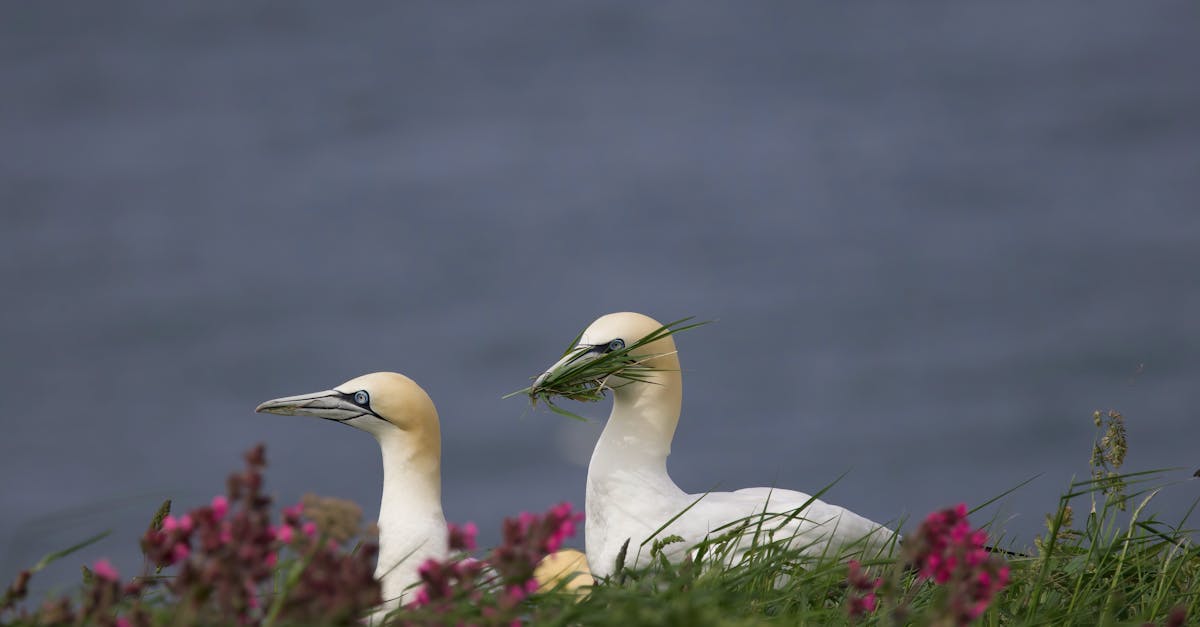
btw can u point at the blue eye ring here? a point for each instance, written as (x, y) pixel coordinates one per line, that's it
(362, 398)
(616, 345)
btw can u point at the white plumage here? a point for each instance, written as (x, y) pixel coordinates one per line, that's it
(404, 421)
(630, 495)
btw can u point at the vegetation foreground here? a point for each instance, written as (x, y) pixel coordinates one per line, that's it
(233, 562)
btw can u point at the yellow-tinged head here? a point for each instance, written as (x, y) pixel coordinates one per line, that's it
(614, 332)
(568, 568)
(379, 403)
(628, 327)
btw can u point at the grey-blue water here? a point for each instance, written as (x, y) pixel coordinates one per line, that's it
(935, 236)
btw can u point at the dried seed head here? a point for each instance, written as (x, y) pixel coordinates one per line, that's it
(338, 519)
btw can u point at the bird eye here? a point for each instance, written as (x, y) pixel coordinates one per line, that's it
(362, 398)
(616, 345)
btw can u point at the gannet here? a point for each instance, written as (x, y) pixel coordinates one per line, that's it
(630, 495)
(402, 418)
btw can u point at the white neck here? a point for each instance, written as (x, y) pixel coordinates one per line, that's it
(628, 488)
(641, 426)
(412, 527)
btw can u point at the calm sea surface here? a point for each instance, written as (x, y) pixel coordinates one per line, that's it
(936, 237)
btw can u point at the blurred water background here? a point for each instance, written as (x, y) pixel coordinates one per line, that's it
(936, 236)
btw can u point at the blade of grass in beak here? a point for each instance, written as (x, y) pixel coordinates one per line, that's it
(573, 344)
(525, 390)
(562, 412)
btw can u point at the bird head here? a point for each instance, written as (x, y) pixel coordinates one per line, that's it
(381, 403)
(614, 333)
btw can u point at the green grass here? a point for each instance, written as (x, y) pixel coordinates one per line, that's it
(1114, 569)
(1104, 559)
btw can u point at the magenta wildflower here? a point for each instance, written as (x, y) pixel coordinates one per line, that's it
(226, 554)
(516, 593)
(526, 540)
(946, 550)
(463, 538)
(861, 594)
(223, 557)
(180, 552)
(294, 511)
(104, 570)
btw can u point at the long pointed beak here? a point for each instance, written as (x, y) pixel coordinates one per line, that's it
(576, 357)
(328, 404)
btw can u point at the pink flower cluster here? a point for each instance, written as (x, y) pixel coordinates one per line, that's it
(463, 538)
(527, 539)
(946, 550)
(224, 564)
(442, 580)
(104, 570)
(860, 598)
(229, 554)
(496, 593)
(224, 555)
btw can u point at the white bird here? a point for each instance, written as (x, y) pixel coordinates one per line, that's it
(402, 418)
(630, 495)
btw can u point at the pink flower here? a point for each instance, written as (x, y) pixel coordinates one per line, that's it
(169, 524)
(525, 540)
(104, 570)
(309, 528)
(860, 598)
(220, 505)
(122, 622)
(272, 560)
(294, 511)
(428, 567)
(185, 523)
(180, 552)
(463, 538)
(285, 534)
(950, 553)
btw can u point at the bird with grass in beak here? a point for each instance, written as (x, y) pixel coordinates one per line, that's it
(631, 498)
